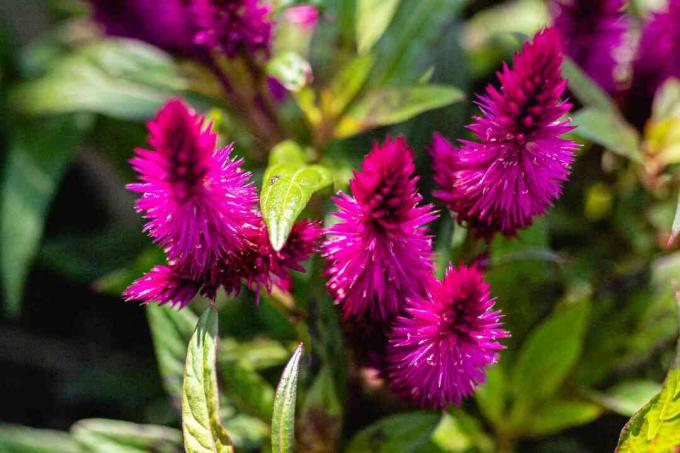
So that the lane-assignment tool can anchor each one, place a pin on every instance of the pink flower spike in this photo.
(379, 253)
(516, 169)
(197, 200)
(165, 285)
(439, 349)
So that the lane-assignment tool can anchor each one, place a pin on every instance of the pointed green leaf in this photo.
(392, 105)
(492, 395)
(628, 397)
(287, 186)
(555, 416)
(549, 353)
(656, 427)
(21, 439)
(347, 83)
(244, 386)
(585, 89)
(201, 426)
(372, 19)
(283, 418)
(114, 436)
(608, 130)
(402, 433)
(38, 155)
(121, 78)
(171, 330)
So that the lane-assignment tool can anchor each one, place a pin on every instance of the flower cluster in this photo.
(201, 208)
(592, 32)
(515, 169)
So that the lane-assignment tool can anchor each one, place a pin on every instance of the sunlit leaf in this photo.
(287, 186)
(283, 419)
(38, 154)
(347, 83)
(114, 436)
(555, 416)
(21, 439)
(628, 397)
(201, 425)
(393, 105)
(373, 17)
(608, 130)
(121, 78)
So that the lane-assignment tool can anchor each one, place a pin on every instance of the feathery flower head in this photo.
(163, 23)
(165, 285)
(259, 265)
(516, 169)
(439, 349)
(659, 47)
(591, 31)
(379, 252)
(197, 199)
(233, 25)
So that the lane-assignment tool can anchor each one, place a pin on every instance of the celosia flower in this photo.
(659, 47)
(439, 349)
(515, 171)
(259, 265)
(197, 199)
(379, 253)
(163, 23)
(165, 285)
(232, 25)
(591, 31)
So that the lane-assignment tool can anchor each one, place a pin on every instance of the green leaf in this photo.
(122, 78)
(171, 330)
(113, 436)
(402, 433)
(459, 432)
(321, 418)
(656, 427)
(348, 82)
(258, 354)
(585, 89)
(555, 416)
(291, 70)
(549, 353)
(675, 228)
(249, 391)
(283, 418)
(372, 19)
(492, 395)
(608, 130)
(38, 155)
(21, 439)
(628, 397)
(392, 105)
(287, 186)
(201, 426)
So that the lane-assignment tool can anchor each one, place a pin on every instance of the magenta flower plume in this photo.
(591, 32)
(379, 253)
(197, 199)
(659, 47)
(163, 23)
(165, 285)
(515, 171)
(260, 266)
(439, 349)
(233, 25)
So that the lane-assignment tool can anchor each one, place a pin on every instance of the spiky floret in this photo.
(165, 285)
(197, 199)
(379, 252)
(592, 32)
(439, 349)
(233, 25)
(514, 172)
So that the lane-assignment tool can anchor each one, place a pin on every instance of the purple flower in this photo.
(197, 199)
(439, 349)
(379, 253)
(165, 285)
(233, 25)
(163, 23)
(591, 31)
(516, 169)
(657, 58)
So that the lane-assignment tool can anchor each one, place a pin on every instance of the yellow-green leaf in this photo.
(372, 19)
(283, 418)
(608, 130)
